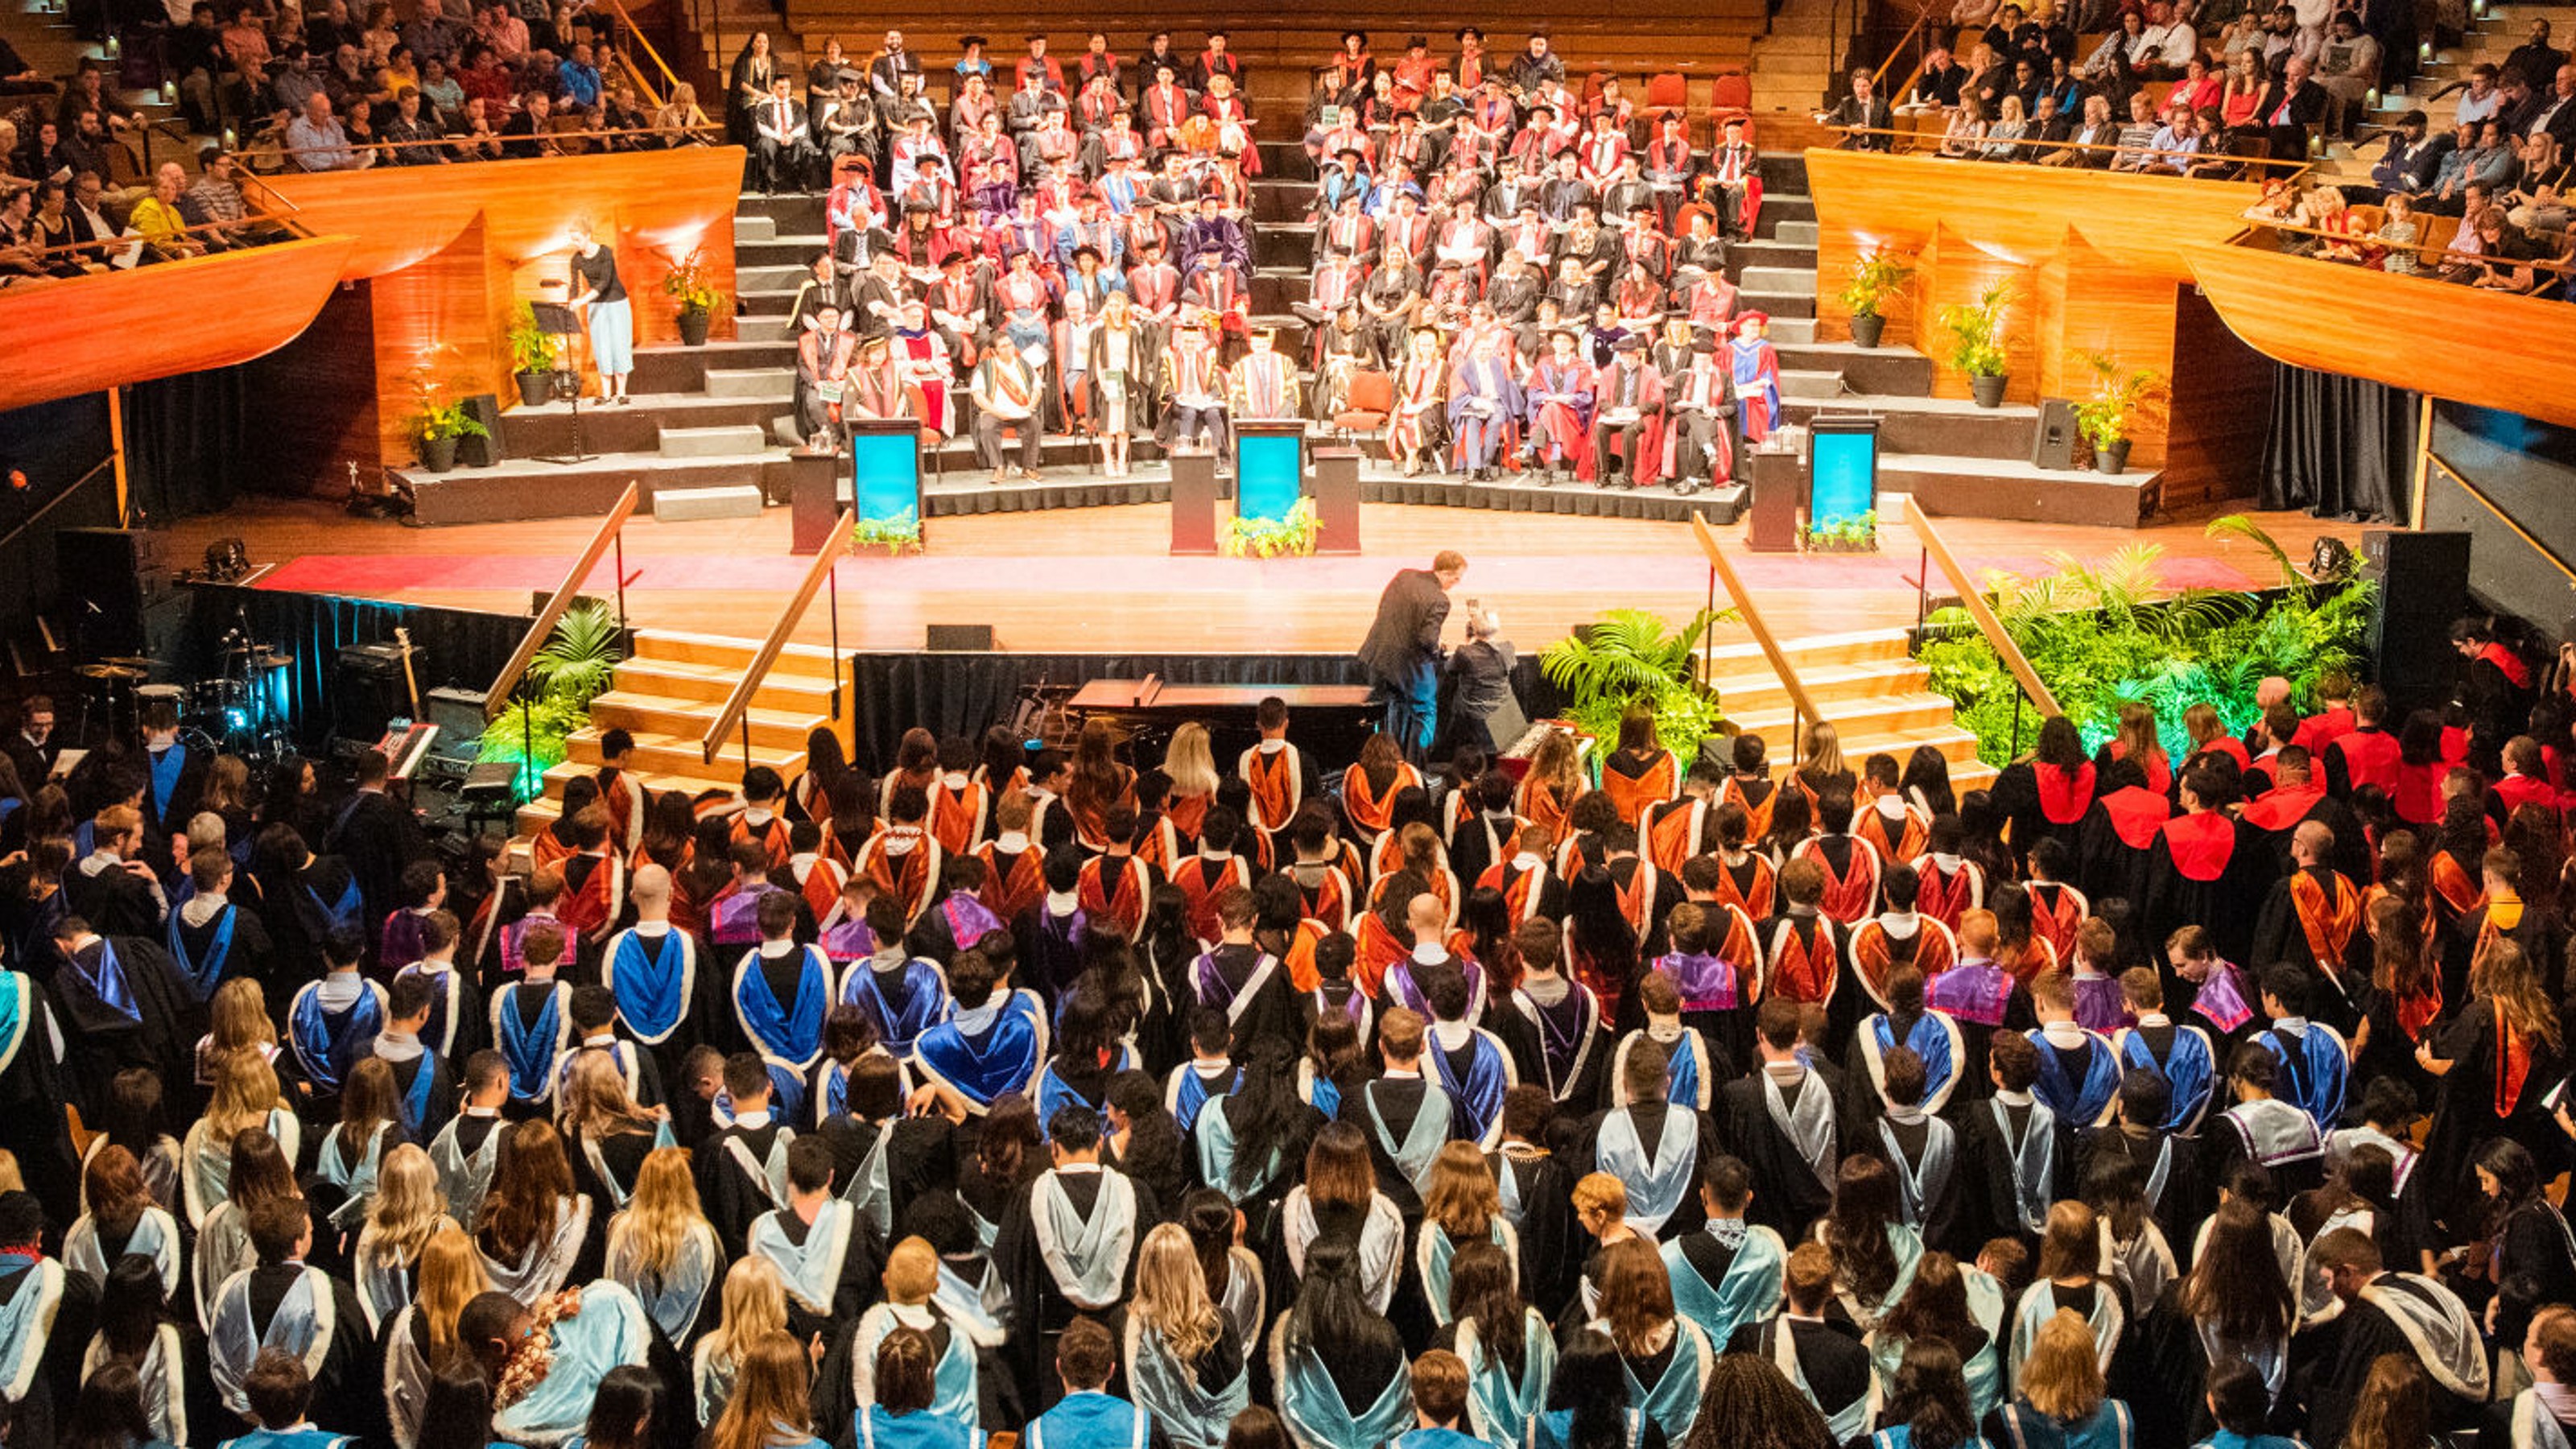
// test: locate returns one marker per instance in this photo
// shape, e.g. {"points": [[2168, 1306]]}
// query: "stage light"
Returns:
{"points": [[236, 718], [17, 480]]}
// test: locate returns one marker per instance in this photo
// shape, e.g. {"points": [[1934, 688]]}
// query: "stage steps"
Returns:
{"points": [[670, 689], [1868, 687]]}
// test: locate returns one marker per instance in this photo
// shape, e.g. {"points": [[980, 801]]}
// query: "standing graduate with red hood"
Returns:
{"points": [[2119, 833], [2495, 687], [2207, 867], [2047, 795]]}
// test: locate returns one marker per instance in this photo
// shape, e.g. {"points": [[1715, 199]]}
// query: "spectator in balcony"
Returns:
{"points": [[2399, 236], [2411, 158], [91, 224], [2137, 138], [157, 220], [215, 201], [441, 97], [2107, 69], [2176, 144], [2003, 138], [432, 33], [2290, 105], [2165, 45], [1967, 130], [579, 76], [530, 133], [2348, 69], [194, 53], [246, 42], [414, 132], [2200, 88], [316, 141], [2536, 56], [19, 262], [506, 33], [2093, 141], [1937, 87], [2504, 249], [2243, 90], [2553, 112], [748, 89], [49, 230], [297, 81], [475, 140], [1862, 116], [2283, 38]]}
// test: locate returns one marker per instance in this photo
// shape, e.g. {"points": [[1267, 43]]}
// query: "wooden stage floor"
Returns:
{"points": [[1097, 579]]}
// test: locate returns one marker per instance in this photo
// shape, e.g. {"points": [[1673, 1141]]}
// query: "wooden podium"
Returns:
{"points": [[1335, 488], [1779, 484], [1194, 500]]}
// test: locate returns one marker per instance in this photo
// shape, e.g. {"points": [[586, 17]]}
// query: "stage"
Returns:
{"points": [[1098, 580]]}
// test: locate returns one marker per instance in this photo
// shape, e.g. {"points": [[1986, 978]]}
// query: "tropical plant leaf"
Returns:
{"points": [[2237, 525]]}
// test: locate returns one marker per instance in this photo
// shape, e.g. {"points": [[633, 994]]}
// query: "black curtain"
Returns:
{"points": [[964, 694], [189, 443], [450, 646], [2339, 446]]}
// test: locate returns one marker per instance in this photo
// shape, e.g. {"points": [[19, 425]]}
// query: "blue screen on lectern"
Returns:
{"points": [[1843, 479], [1270, 474], [886, 474]]}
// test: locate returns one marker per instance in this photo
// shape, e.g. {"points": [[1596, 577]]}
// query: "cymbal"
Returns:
{"points": [[119, 673], [131, 661], [267, 658]]}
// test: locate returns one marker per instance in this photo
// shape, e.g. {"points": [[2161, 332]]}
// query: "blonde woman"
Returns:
{"points": [[1192, 767], [755, 1307], [769, 1408], [451, 1276], [352, 1155], [911, 1284], [2061, 1398], [533, 1225], [1461, 1205], [1421, 391], [237, 1021], [610, 1137], [663, 1248], [1820, 766], [1185, 1363], [405, 1212], [246, 1096]]}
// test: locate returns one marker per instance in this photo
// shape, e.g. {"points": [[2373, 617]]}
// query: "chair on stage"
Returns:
{"points": [[1370, 403]]}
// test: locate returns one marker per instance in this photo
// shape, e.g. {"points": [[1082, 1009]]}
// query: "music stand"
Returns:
{"points": [[559, 321]]}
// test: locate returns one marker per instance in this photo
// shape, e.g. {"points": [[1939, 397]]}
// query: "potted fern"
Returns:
{"points": [[532, 357], [438, 424], [1977, 340], [1631, 658], [2104, 417], [686, 284], [1876, 274]]}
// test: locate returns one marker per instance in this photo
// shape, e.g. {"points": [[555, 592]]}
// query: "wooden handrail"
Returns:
{"points": [[497, 698], [1973, 600], [463, 139], [2365, 239], [2474, 491], [646, 41], [1762, 635], [122, 240], [1936, 137], [816, 574], [1921, 17]]}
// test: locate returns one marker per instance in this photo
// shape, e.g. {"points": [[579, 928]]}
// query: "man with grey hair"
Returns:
{"points": [[1480, 680]]}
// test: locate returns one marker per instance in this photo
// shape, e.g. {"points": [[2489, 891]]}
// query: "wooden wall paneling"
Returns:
{"points": [[1954, 270], [318, 399], [434, 319], [2099, 304], [396, 217], [2022, 213], [2516, 354], [184, 316], [2221, 409]]}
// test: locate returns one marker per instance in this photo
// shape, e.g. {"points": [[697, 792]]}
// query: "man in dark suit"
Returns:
{"points": [[374, 833], [1864, 115], [784, 141], [178, 782], [33, 747], [2412, 158], [2291, 104], [1402, 651]]}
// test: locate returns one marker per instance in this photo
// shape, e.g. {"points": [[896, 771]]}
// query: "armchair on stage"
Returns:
{"points": [[1274, 467]]}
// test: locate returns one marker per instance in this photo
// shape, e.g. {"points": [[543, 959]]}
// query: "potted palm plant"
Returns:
{"points": [[1977, 340], [532, 357], [2104, 417], [438, 426], [1876, 274], [686, 283]]}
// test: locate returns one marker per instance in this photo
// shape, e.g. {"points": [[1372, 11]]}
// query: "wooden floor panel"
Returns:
{"points": [[1108, 615]]}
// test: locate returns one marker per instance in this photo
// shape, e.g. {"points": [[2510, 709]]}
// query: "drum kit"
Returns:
{"points": [[237, 711]]}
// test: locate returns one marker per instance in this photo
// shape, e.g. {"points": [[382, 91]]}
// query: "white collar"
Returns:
{"points": [[2012, 1099], [752, 1120], [1272, 747], [1401, 1074], [1429, 953], [2065, 1034], [1451, 1035], [2154, 1018], [1077, 1169], [778, 950], [2294, 1025], [1011, 842], [1063, 903]]}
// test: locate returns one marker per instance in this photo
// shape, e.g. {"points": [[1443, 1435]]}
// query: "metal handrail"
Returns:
{"points": [[611, 531], [2474, 491], [1921, 18], [659, 63], [125, 239], [1937, 550], [496, 137], [2035, 143], [737, 705], [50, 504], [1800, 704]]}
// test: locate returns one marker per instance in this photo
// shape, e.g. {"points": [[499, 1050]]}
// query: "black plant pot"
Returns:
{"points": [[438, 454], [1866, 328], [1988, 391], [693, 326], [2112, 459], [535, 388]]}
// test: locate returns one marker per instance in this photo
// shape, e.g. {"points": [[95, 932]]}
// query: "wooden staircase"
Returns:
{"points": [[1867, 685], [670, 689]]}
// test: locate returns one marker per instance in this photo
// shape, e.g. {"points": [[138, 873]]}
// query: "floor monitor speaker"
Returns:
{"points": [[2053, 445]]}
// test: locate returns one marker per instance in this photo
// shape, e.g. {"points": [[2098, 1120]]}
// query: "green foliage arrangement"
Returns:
{"points": [[900, 534], [1634, 656], [1876, 274], [1845, 533], [1291, 536], [2099, 636], [1976, 330], [437, 419], [532, 349], [578, 664], [2104, 417]]}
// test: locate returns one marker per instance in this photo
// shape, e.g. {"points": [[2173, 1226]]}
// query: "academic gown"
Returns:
{"points": [[2114, 843], [33, 1083], [123, 1005], [731, 1198], [1797, 1193], [2178, 1195], [1980, 998], [1987, 1160], [1538, 1196], [378, 839], [1387, 1110], [1651, 1121], [347, 1386], [792, 1246], [2207, 870], [2496, 1088], [45, 1366], [2313, 919], [2330, 1362], [1039, 1308], [231, 942], [114, 900]]}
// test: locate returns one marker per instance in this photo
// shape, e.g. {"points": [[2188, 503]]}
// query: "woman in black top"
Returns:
{"points": [[601, 297]]}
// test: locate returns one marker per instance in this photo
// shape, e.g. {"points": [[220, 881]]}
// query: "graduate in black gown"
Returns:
{"points": [[2207, 868], [2331, 1361], [123, 1006], [742, 1167], [44, 1338], [1537, 1189], [1782, 1121], [112, 886], [1067, 1246], [375, 834], [826, 1251], [213, 939]]}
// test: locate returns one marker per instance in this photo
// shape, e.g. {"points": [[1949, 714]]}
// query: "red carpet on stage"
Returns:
{"points": [[380, 575]]}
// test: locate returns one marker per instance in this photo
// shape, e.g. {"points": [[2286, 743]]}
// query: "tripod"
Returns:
{"points": [[564, 325]]}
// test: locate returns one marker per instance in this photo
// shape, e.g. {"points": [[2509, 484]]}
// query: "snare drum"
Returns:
{"points": [[213, 696], [173, 695]]}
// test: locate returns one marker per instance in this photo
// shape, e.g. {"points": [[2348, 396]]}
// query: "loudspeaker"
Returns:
{"points": [[109, 576], [2053, 445], [2423, 583], [484, 451], [368, 690], [960, 639]]}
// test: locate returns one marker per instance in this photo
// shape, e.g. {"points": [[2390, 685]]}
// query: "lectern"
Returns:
{"points": [[885, 469], [1337, 500], [1193, 501], [1269, 467]]}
